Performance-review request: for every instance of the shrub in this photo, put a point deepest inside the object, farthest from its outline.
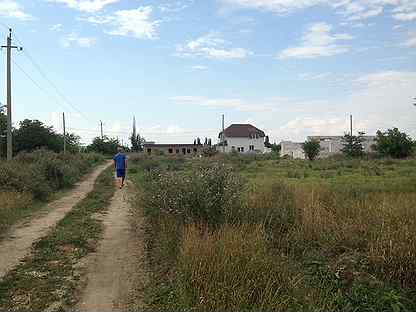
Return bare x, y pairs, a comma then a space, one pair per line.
206, 194
42, 172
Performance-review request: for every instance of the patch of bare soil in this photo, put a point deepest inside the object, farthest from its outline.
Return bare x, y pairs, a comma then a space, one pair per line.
116, 273
18, 241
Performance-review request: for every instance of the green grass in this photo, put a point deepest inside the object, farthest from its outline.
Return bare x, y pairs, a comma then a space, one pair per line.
49, 276
336, 235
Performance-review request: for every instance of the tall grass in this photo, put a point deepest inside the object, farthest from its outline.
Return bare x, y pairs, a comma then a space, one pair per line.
280, 245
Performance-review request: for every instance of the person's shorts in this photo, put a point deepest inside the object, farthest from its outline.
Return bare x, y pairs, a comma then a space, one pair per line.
121, 173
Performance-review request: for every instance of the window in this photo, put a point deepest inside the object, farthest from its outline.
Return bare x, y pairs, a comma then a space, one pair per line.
195, 150
242, 149
170, 151
177, 151
188, 150
251, 147
149, 150
184, 151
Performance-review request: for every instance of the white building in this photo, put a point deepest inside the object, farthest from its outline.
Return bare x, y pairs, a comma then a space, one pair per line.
241, 138
330, 145
292, 149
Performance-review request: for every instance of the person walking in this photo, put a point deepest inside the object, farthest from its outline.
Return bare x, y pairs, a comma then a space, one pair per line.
120, 165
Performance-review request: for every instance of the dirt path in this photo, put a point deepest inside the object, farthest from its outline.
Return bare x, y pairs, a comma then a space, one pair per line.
17, 244
116, 273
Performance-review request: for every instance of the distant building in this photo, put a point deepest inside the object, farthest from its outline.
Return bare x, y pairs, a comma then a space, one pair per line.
292, 149
173, 149
330, 145
241, 138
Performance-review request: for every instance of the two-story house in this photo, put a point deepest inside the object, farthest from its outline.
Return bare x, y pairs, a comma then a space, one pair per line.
241, 138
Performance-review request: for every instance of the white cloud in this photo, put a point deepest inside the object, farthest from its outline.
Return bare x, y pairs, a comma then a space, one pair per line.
411, 41
316, 42
12, 9
56, 27
199, 67
74, 38
352, 9
175, 6
89, 6
135, 23
211, 46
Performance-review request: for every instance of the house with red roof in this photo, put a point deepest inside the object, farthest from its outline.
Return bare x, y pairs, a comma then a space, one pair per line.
241, 138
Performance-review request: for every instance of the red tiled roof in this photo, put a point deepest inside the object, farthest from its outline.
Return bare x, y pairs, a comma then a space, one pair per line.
242, 131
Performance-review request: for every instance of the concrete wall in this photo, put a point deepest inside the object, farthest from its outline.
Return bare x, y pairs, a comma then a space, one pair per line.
179, 150
292, 149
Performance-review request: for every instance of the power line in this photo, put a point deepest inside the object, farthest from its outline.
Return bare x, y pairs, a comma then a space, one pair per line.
36, 84
54, 86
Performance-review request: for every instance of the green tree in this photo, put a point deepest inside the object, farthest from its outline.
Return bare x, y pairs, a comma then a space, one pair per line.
353, 145
105, 145
137, 143
393, 143
3, 129
33, 134
311, 149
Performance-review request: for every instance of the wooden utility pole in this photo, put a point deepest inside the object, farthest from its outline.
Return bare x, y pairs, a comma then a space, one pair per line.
102, 134
63, 122
351, 125
9, 48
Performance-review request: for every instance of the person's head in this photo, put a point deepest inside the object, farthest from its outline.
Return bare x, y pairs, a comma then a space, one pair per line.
119, 149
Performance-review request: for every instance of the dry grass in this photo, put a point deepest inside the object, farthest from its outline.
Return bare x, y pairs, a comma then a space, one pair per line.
13, 206
232, 270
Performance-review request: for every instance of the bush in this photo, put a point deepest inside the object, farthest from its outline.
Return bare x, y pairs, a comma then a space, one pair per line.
206, 194
42, 172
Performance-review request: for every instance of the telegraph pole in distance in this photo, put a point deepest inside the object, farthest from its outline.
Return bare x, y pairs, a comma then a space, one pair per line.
351, 125
63, 121
9, 48
102, 134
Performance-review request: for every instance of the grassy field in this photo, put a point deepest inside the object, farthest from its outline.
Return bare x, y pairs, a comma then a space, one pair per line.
48, 278
32, 179
256, 233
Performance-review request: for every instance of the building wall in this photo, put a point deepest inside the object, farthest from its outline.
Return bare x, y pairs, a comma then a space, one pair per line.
179, 150
244, 143
332, 145
292, 149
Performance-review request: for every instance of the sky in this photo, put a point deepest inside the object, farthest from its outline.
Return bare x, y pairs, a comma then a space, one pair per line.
292, 68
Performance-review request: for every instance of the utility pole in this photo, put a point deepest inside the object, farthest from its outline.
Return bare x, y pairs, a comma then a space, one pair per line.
102, 134
9, 48
63, 121
351, 125
223, 134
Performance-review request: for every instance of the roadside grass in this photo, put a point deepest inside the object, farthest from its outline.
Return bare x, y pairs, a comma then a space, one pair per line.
333, 235
49, 276
32, 179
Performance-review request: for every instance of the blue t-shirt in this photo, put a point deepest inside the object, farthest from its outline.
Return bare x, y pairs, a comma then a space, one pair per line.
120, 160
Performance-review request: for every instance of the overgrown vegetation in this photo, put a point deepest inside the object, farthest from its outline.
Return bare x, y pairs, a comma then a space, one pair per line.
34, 177
48, 277
328, 235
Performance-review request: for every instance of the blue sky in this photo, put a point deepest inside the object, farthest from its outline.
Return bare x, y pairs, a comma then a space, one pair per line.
291, 67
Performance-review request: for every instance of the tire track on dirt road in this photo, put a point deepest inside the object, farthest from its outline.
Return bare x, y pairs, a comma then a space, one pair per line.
18, 241
115, 273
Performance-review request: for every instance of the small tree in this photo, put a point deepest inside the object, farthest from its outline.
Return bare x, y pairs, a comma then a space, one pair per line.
105, 145
353, 145
137, 142
393, 143
311, 149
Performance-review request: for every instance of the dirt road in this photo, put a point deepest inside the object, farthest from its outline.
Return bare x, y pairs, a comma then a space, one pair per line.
116, 272
17, 244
